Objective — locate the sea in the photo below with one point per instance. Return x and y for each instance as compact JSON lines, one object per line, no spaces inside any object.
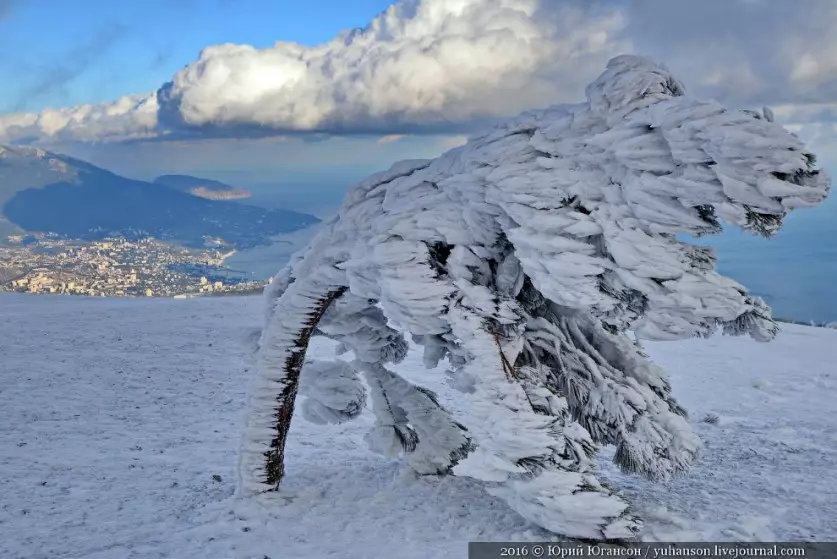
{"x":795,"y":272}
{"x":261,"y":263}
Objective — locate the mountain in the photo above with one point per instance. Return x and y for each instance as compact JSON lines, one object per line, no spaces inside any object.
{"x":205,"y":188}
{"x":47,"y":192}
{"x":118,"y":413}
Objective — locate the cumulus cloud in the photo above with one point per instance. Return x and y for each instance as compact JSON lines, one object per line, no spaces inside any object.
{"x":448,"y":65}
{"x":428,"y":63}
{"x":130,"y":117}
{"x":744,"y":51}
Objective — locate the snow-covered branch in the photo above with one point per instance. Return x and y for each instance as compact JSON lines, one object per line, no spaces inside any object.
{"x":533,"y":258}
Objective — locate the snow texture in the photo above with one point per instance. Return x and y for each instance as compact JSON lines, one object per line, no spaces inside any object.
{"x":534,"y":258}
{"x":117,"y":413}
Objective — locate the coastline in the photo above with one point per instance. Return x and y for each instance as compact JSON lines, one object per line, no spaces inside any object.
{"x":262,"y":263}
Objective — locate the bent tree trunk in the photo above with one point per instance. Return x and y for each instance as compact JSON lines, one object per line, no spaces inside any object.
{"x":275,"y":457}
{"x":284,"y":344}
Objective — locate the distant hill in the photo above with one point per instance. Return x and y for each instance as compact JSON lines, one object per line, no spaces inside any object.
{"x":47,"y":192}
{"x":205,"y":188}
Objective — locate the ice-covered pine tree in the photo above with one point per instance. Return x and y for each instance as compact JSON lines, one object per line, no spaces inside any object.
{"x":532,"y":259}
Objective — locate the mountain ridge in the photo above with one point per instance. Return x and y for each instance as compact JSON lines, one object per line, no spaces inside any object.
{"x":41,"y":191}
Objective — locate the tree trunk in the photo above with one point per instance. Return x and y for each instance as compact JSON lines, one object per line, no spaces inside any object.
{"x":275,"y":457}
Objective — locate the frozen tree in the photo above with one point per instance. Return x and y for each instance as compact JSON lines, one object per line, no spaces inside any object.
{"x":533,"y":259}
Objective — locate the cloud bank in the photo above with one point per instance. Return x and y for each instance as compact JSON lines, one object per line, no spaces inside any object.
{"x":130,"y":117}
{"x":447,"y":65}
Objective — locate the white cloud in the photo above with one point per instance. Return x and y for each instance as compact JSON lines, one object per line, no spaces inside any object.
{"x":744,"y":51}
{"x":444,"y":65}
{"x":130,"y":117}
{"x":418,"y":64}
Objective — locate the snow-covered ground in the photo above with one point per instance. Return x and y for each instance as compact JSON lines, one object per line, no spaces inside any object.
{"x":120,"y":421}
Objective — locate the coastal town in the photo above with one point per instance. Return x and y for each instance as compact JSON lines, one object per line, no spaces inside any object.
{"x":116,"y":267}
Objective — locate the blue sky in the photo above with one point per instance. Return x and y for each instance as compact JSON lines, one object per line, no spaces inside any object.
{"x":58,"y":53}
{"x":87,"y":77}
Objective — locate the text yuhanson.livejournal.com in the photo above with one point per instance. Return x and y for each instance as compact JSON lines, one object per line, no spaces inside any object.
{"x":496,"y":550}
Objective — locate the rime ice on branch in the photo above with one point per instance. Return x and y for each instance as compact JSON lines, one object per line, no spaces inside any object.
{"x":531,"y":259}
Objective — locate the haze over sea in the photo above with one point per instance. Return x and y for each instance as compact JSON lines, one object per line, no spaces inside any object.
{"x":793,"y":272}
